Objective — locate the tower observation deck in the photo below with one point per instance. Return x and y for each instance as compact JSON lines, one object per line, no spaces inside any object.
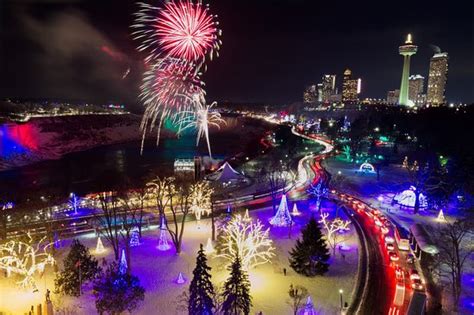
{"x":406,"y":50}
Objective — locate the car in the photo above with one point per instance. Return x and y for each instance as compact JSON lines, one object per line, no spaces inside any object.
{"x":414,"y":274}
{"x":416,"y":284}
{"x":410,"y":259}
{"x":390,"y":247}
{"x":389,"y":240}
{"x":393,"y":256}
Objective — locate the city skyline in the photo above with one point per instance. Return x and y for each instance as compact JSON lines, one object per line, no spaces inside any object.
{"x":294,"y":47}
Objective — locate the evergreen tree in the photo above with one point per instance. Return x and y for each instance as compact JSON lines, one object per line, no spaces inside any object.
{"x":237,"y":299}
{"x":117,"y":292}
{"x":79,"y":267}
{"x":201,"y":290}
{"x":310,"y":254}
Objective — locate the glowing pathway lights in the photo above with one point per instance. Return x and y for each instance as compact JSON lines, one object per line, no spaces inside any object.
{"x":25,"y":260}
{"x":295,"y":211}
{"x":163,"y":242}
{"x":248,"y":240}
{"x":282,"y":217}
{"x":180,"y":279}
{"x":209,"y":249}
{"x":99,"y":249}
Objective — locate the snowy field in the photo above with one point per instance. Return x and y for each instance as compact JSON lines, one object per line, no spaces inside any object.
{"x":380,"y":193}
{"x":158,"y":272}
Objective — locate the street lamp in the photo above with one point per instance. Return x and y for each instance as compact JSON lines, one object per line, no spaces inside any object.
{"x":340,"y":295}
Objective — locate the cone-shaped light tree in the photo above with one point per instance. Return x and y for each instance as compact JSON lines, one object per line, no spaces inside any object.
{"x":282,"y":217}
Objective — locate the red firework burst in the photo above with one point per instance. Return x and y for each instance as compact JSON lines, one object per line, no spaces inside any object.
{"x":187,"y":30}
{"x":169,"y":83}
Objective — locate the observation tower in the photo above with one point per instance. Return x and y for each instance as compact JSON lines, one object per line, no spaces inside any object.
{"x":406,"y":50}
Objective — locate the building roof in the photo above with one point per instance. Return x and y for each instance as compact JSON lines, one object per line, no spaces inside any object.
{"x":416,"y":76}
{"x":423,"y":239}
{"x":226,"y":173}
{"x":440,"y":55}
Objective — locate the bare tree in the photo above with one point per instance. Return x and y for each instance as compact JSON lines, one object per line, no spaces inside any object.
{"x":277,"y":177}
{"x":454,"y":242}
{"x":176,"y":198}
{"x":428,"y":179}
{"x":137,"y":199}
{"x":130,"y":214}
{"x":297,"y":295}
{"x":108,"y":219}
{"x":179,"y":205}
{"x":160,"y":189}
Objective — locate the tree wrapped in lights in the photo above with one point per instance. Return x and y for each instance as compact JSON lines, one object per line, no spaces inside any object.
{"x":318,"y":191}
{"x":201,"y":204}
{"x":333,"y":229}
{"x":247,"y":240}
{"x":282,"y":217}
{"x":25,"y":259}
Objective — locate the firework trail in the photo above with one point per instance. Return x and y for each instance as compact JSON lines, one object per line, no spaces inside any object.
{"x":168,"y":88}
{"x":179,"y":29}
{"x":178,"y":36}
{"x":201,"y":118}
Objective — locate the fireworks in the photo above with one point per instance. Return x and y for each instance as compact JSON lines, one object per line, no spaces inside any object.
{"x":178,"y":36}
{"x":179,"y":29}
{"x":201,"y":118}
{"x":25,"y":259}
{"x":168,"y":88}
{"x":248,"y":240}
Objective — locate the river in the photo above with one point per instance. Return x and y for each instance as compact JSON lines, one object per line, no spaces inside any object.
{"x":95,"y":169}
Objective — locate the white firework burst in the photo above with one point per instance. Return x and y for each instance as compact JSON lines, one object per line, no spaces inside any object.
{"x":201,"y":119}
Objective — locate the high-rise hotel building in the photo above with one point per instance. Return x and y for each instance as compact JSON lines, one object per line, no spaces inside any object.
{"x":350,"y":87}
{"x":415,"y":89}
{"x":437,"y":79}
{"x":328,"y":87}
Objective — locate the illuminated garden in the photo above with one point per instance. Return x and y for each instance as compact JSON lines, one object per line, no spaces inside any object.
{"x":143,"y":177}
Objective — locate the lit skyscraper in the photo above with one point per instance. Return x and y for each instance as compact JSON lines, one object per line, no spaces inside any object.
{"x":310,"y":95}
{"x":406,"y":50}
{"x":415,"y":89}
{"x":437,"y":79}
{"x":329,"y":87}
{"x":392,"y":97}
{"x":350,"y":87}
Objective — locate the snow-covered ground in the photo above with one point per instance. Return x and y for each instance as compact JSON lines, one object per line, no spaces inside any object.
{"x":158,"y":272}
{"x":380,"y":193}
{"x":51,"y":138}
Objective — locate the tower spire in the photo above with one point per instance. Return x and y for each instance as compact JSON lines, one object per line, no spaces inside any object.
{"x":406,"y":50}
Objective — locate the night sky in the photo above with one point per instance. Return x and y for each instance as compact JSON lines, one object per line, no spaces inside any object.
{"x":271,"y":49}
